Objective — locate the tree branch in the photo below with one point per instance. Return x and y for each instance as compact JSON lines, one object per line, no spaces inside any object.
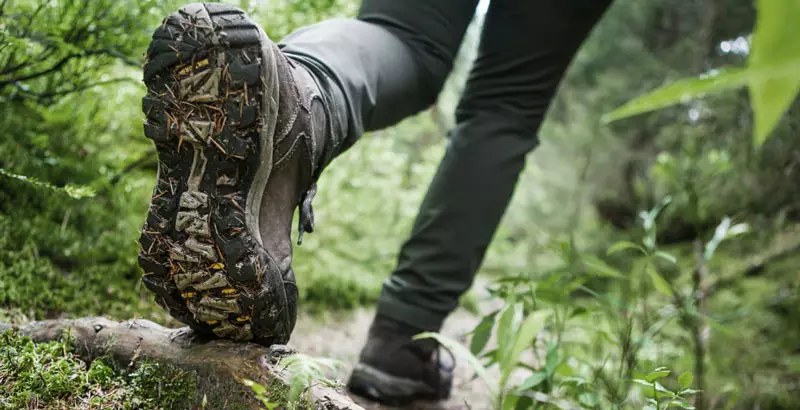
{"x":41,"y":97}
{"x":57,"y":66}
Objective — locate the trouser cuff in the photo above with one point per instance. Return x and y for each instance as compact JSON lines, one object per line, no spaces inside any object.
{"x":416,"y":316}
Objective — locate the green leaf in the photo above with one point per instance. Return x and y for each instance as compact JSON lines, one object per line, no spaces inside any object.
{"x":491,"y":355}
{"x":564,"y":249}
{"x":553,"y":292}
{"x":588,"y":399}
{"x":649,"y":240}
{"x":719,"y":236}
{"x":576,"y":381}
{"x":655,"y":375}
{"x":686,"y":379}
{"x":624,"y":245}
{"x":659,"y":282}
{"x":551,"y":361}
{"x":462,"y":353}
{"x":724,"y":231}
{"x":304,"y":371}
{"x":649,"y":391}
{"x":564,"y":370}
{"x":687,"y":89}
{"x":680,"y":91}
{"x":737,"y":230}
{"x":481,"y":334}
{"x":532,"y":381}
{"x":517,"y":402}
{"x":524,"y":403}
{"x":257,"y":388}
{"x":776,"y":41}
{"x":682,"y":404}
{"x":578,"y":311}
{"x":506,"y":326}
{"x":667,"y":257}
{"x":597,"y":267}
{"x":510,"y":402}
{"x":530,"y":327}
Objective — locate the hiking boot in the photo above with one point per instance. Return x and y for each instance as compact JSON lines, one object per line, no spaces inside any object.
{"x":394,"y":369}
{"x":239,"y":130}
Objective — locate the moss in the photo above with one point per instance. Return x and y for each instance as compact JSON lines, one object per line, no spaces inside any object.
{"x":49,"y":375}
{"x":278,"y":392}
{"x":156,"y":384}
{"x":37,"y":372}
{"x":49,"y":267}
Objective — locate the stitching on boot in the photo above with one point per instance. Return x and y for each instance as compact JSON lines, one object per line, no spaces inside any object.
{"x":290,"y":152}
{"x":289,"y":123}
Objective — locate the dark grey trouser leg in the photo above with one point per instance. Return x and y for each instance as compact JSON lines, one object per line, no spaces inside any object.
{"x":525,"y":49}
{"x":389,"y":63}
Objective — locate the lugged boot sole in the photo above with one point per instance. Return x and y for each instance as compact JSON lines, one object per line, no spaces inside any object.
{"x":211,"y":110}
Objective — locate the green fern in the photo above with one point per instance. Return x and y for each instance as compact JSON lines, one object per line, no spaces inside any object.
{"x":74,"y":191}
{"x":305,"y":371}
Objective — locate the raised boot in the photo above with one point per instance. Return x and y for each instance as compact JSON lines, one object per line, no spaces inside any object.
{"x":240,"y":131}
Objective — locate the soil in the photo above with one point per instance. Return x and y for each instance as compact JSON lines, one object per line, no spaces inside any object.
{"x":341,"y":337}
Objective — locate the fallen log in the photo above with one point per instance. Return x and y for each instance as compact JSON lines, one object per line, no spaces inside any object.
{"x":216,"y":366}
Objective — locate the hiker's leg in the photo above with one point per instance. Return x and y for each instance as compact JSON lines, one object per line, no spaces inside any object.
{"x":390,"y":63}
{"x":525,"y":49}
{"x":243,"y":127}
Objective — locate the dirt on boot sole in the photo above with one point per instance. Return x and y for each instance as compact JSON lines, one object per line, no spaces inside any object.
{"x":210,"y":110}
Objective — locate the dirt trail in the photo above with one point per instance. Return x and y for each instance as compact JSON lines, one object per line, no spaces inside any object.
{"x":342,"y":337}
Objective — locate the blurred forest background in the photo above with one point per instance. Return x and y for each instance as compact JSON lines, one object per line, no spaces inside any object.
{"x":76,"y":175}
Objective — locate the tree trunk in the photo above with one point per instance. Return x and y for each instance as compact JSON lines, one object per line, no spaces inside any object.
{"x":217,"y":366}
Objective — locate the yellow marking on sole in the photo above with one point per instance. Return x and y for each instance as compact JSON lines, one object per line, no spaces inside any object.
{"x":188,"y":68}
{"x":229,"y":292}
{"x":243,"y":318}
{"x":212,"y":322}
{"x":187,"y":295}
{"x":218,"y":265}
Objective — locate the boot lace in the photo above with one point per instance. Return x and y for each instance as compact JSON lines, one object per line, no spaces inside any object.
{"x":306,"y":222}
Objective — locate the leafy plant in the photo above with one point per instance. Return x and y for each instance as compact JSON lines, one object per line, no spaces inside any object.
{"x":550,"y":332}
{"x":661,"y":398}
{"x":770,"y":74}
{"x":261,"y":393}
{"x":515,"y":334}
{"x":304,"y":371}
